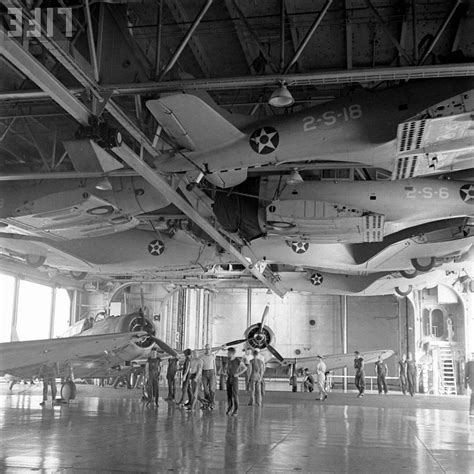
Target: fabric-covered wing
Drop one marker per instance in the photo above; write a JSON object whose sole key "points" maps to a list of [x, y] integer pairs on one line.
{"points": [[191, 123], [26, 357]]}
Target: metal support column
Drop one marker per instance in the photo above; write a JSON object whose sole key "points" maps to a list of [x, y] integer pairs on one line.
{"points": [[249, 306], [185, 41], [90, 40], [52, 311], [159, 27], [16, 293], [308, 36], [344, 335], [282, 34]]}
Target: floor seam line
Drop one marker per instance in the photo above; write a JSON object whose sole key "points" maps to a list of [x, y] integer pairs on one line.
{"points": [[430, 453], [275, 446]]}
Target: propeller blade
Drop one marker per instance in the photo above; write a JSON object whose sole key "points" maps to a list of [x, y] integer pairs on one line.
{"points": [[162, 345], [234, 343], [264, 317], [275, 353], [142, 297]]}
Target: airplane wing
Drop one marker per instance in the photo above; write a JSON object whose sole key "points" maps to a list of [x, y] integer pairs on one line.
{"points": [[76, 217], [439, 139], [332, 361], [25, 358], [191, 123]]}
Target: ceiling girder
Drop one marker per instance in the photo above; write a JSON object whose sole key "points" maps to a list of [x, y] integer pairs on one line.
{"points": [[241, 82], [181, 17], [308, 36], [185, 41]]}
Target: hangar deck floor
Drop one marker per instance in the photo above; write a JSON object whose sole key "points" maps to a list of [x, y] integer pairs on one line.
{"points": [[107, 430]]}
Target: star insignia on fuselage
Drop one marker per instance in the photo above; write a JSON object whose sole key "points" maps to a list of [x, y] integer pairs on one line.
{"points": [[264, 140], [467, 193], [316, 279]]}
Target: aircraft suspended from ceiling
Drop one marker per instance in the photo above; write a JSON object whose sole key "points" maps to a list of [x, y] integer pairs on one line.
{"points": [[416, 129]]}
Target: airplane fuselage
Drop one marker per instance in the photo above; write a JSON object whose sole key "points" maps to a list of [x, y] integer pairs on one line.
{"points": [[360, 127]]}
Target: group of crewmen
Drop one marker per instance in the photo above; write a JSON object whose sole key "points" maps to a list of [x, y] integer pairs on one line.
{"points": [[199, 372], [406, 373]]}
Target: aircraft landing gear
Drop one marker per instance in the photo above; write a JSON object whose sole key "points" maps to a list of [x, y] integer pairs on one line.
{"points": [[35, 261], [423, 264], [68, 391], [400, 292]]}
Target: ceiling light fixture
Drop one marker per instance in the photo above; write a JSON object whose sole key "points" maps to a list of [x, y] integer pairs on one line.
{"points": [[295, 178], [281, 97]]}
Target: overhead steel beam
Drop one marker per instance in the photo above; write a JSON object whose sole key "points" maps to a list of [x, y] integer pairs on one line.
{"points": [[255, 37], [181, 17], [185, 40], [308, 36], [35, 71], [440, 32], [392, 38], [319, 78]]}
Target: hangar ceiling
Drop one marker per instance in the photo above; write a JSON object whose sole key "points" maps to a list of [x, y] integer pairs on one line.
{"points": [[117, 55]]}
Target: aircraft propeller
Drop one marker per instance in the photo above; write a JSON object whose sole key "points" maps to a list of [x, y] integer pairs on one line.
{"points": [[259, 337], [145, 326]]}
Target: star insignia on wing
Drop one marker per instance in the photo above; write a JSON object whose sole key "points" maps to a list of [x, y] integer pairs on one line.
{"points": [[264, 140]]}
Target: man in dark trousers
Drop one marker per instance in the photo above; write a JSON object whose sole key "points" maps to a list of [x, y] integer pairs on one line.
{"points": [[360, 374], [152, 371], [469, 376], [235, 368], [411, 374], [308, 381], [381, 370], [48, 372], [171, 378], [402, 373]]}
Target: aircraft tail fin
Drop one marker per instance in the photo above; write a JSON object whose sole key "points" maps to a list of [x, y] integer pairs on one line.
{"points": [[192, 123]]}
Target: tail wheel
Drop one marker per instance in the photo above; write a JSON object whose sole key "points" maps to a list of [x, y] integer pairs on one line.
{"points": [[423, 264], [401, 292], [409, 273]]}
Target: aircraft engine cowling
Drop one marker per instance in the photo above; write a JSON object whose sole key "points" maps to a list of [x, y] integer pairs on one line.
{"points": [[141, 323], [259, 338]]}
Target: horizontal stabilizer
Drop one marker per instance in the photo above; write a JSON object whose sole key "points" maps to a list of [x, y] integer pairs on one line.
{"points": [[191, 123]]}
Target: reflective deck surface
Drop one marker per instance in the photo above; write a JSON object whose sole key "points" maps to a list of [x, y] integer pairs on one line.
{"points": [[107, 430]]}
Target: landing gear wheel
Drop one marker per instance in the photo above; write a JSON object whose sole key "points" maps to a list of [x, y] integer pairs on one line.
{"points": [[68, 391], [400, 292], [420, 264], [78, 275], [35, 261], [409, 273]]}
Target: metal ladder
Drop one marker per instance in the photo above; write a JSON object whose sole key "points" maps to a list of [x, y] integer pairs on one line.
{"points": [[448, 375]]}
